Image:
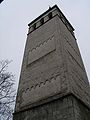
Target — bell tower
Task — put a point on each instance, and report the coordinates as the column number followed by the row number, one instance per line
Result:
column 53, row 82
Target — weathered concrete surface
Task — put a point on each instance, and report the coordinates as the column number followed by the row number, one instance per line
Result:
column 67, row 108
column 52, row 65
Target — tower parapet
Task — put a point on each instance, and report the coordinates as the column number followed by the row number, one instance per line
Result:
column 46, row 16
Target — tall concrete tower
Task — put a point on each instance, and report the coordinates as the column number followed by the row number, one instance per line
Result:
column 53, row 82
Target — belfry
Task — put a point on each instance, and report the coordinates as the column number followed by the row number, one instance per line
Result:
column 53, row 83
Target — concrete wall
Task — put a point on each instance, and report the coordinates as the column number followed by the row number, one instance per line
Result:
column 45, row 74
column 52, row 65
column 67, row 108
column 76, row 74
column 55, row 65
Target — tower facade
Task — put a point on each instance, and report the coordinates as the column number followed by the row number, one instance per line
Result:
column 53, row 82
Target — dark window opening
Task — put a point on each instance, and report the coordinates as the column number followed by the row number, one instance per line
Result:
column 42, row 21
column 34, row 26
column 50, row 15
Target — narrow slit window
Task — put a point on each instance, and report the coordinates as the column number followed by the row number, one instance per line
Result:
column 42, row 21
column 34, row 26
column 50, row 15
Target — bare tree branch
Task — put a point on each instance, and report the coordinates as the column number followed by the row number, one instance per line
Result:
column 7, row 92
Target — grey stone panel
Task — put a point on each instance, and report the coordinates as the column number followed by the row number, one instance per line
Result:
column 41, row 50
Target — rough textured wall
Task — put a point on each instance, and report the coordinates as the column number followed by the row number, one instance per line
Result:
column 76, row 74
column 45, row 74
column 56, row 66
column 52, row 66
column 67, row 108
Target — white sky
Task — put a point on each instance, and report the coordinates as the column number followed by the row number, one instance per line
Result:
column 16, row 14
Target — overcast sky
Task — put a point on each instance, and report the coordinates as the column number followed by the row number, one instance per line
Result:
column 16, row 14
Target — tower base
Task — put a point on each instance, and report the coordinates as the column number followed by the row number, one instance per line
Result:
column 65, row 108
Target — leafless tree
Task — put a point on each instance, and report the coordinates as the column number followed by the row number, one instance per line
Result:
column 7, row 92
